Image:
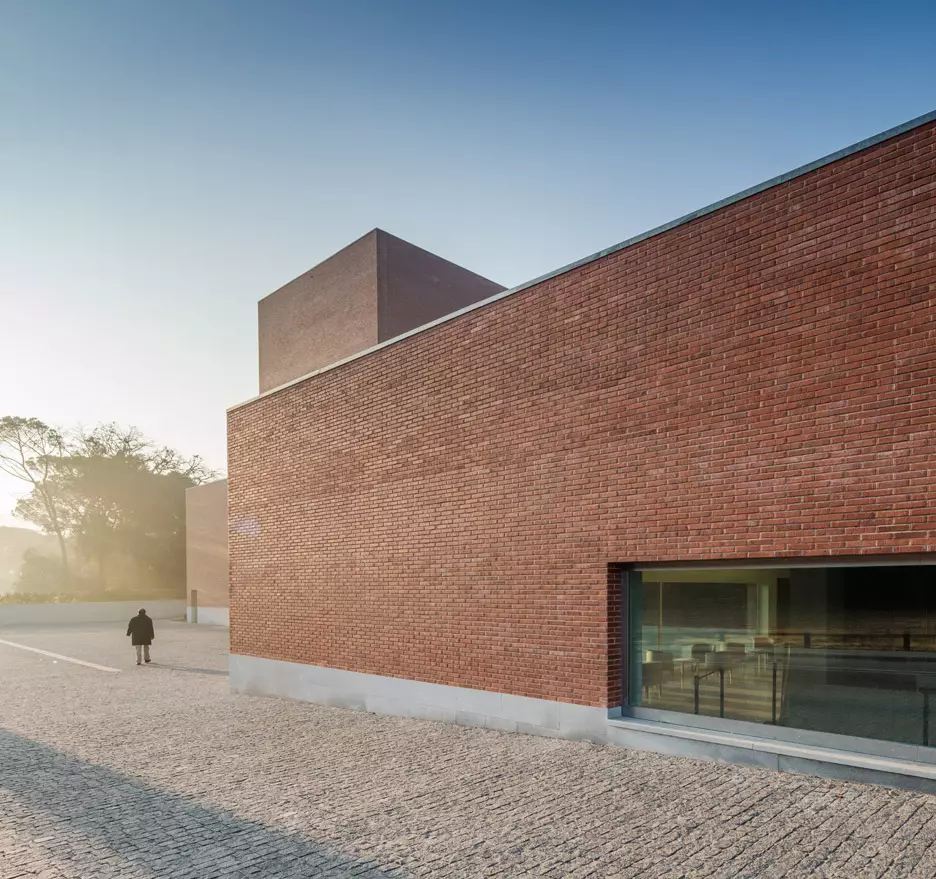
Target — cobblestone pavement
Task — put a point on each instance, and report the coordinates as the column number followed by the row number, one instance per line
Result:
column 159, row 772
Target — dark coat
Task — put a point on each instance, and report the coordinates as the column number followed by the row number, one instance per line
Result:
column 141, row 630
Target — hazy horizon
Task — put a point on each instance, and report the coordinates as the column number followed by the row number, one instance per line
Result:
column 166, row 166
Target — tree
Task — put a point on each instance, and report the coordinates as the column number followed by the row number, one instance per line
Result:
column 113, row 441
column 120, row 499
column 129, row 497
column 31, row 451
column 115, row 496
column 40, row 575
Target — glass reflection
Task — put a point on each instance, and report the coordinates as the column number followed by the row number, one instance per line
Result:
column 848, row 650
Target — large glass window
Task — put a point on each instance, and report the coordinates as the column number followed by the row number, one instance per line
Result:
column 848, row 650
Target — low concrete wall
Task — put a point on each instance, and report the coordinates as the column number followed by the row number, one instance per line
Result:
column 88, row 612
column 209, row 616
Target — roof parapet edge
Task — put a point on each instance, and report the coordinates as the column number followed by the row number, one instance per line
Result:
column 872, row 141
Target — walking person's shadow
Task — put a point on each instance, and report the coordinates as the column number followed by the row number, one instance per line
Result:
column 220, row 672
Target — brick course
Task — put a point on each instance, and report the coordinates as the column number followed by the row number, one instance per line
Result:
column 757, row 382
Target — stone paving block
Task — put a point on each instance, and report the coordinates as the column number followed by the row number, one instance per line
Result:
column 162, row 772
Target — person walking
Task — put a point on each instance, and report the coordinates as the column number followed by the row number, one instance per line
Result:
column 140, row 631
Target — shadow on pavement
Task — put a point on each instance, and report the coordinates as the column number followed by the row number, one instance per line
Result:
column 192, row 670
column 157, row 833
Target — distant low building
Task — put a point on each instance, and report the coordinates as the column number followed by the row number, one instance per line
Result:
column 206, row 553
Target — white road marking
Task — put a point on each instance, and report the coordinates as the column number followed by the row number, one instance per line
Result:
column 59, row 656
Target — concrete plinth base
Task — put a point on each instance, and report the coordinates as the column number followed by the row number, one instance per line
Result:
column 507, row 713
column 405, row 698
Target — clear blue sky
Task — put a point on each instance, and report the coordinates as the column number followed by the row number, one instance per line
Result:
column 163, row 165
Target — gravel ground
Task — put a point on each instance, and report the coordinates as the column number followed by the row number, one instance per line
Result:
column 160, row 772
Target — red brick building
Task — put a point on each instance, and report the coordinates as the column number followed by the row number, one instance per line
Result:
column 670, row 496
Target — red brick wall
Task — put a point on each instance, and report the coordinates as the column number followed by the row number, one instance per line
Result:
column 321, row 317
column 757, row 382
column 417, row 287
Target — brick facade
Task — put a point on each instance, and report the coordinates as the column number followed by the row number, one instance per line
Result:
column 374, row 289
column 321, row 317
column 757, row 382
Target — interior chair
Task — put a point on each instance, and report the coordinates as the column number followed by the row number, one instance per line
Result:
column 764, row 646
column 652, row 673
column 719, row 659
column 737, row 651
column 666, row 662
